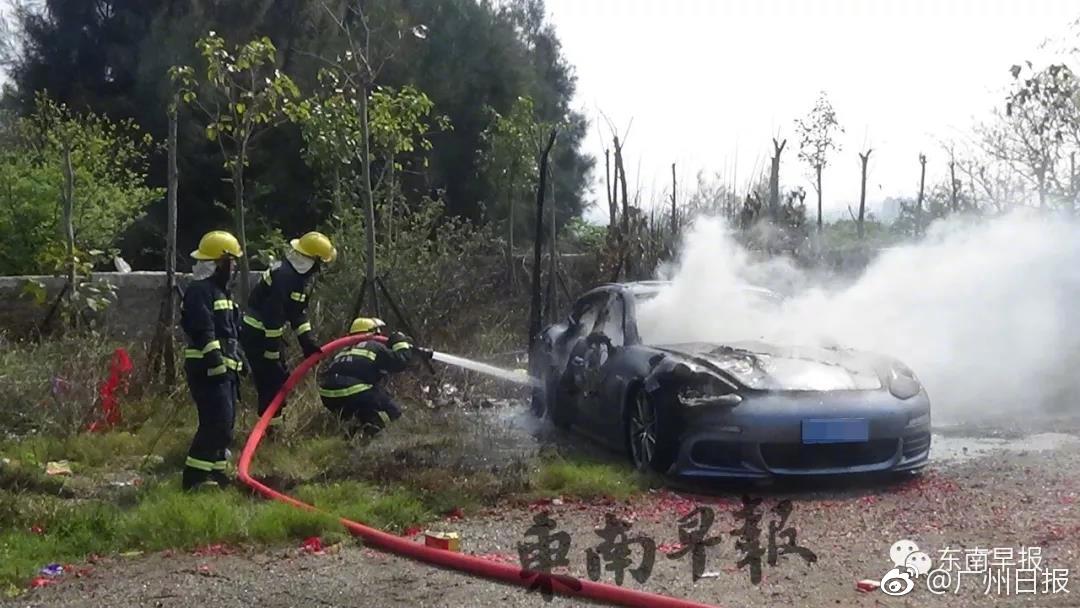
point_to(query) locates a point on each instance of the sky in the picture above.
(707, 84)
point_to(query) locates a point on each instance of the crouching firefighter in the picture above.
(280, 297)
(351, 384)
(212, 359)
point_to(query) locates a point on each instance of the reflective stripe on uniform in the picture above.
(217, 371)
(384, 417)
(271, 354)
(202, 465)
(360, 352)
(401, 346)
(233, 364)
(197, 353)
(344, 392)
(224, 305)
(270, 332)
(298, 296)
(221, 465)
(304, 328)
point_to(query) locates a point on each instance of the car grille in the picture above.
(916, 444)
(717, 454)
(827, 455)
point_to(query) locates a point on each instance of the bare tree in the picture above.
(864, 157)
(920, 222)
(774, 180)
(538, 242)
(817, 136)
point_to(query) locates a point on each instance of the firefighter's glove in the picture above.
(424, 353)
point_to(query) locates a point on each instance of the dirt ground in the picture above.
(1000, 486)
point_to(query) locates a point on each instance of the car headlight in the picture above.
(902, 382)
(707, 392)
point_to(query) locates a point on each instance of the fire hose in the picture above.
(405, 547)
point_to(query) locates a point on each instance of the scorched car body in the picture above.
(740, 409)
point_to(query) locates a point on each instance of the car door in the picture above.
(605, 351)
(571, 345)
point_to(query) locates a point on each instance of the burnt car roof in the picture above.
(650, 288)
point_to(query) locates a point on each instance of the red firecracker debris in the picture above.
(669, 548)
(119, 373)
(217, 549)
(455, 514)
(867, 585)
(313, 545)
(412, 531)
(36, 529)
(42, 581)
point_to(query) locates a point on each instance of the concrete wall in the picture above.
(133, 315)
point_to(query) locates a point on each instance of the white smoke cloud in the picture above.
(986, 312)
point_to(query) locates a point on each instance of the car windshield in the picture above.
(670, 320)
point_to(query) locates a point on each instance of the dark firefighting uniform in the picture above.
(351, 385)
(278, 298)
(212, 360)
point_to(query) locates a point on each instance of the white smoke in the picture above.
(986, 312)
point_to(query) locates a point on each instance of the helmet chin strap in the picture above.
(302, 263)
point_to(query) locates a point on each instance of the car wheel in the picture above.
(650, 449)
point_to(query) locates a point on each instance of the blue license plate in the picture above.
(836, 430)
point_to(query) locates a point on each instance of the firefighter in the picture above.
(211, 321)
(351, 385)
(280, 297)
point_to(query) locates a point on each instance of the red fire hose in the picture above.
(448, 559)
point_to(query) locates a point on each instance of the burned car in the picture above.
(738, 410)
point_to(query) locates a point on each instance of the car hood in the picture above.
(762, 366)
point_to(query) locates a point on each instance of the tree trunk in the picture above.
(369, 199)
(624, 234)
(538, 244)
(169, 347)
(674, 208)
(920, 221)
(862, 195)
(774, 181)
(390, 202)
(612, 212)
(953, 204)
(510, 273)
(551, 304)
(68, 194)
(241, 232)
(817, 170)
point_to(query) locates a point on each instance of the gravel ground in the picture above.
(996, 486)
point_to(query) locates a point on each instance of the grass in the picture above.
(429, 463)
(587, 480)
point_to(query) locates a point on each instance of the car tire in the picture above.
(648, 436)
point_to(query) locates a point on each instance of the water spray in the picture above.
(518, 376)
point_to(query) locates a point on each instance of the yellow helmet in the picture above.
(363, 325)
(315, 245)
(217, 244)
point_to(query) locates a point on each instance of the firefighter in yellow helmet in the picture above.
(211, 322)
(280, 297)
(351, 385)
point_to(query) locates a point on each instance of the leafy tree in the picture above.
(817, 137)
(241, 94)
(511, 147)
(105, 190)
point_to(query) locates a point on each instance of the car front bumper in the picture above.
(763, 437)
